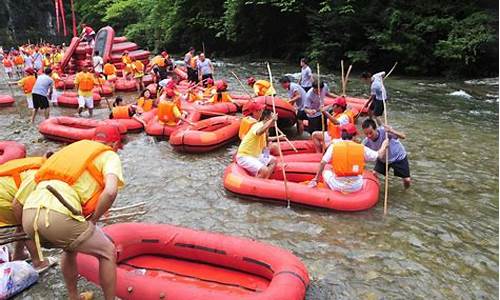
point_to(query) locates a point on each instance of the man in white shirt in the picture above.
(205, 68)
(97, 62)
(306, 76)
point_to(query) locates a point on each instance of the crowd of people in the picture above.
(88, 194)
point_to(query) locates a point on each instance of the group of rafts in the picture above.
(206, 126)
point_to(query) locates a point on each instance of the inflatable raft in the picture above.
(10, 150)
(158, 261)
(6, 100)
(355, 104)
(104, 42)
(134, 126)
(70, 99)
(238, 181)
(206, 135)
(125, 85)
(285, 111)
(69, 53)
(69, 129)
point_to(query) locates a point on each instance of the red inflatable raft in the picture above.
(356, 104)
(69, 129)
(157, 129)
(206, 135)
(104, 42)
(134, 126)
(6, 100)
(120, 39)
(70, 99)
(136, 55)
(10, 150)
(238, 181)
(69, 52)
(125, 85)
(124, 46)
(157, 261)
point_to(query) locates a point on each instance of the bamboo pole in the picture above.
(285, 181)
(125, 215)
(386, 189)
(323, 145)
(391, 70)
(346, 79)
(141, 204)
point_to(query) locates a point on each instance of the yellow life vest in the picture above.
(348, 159)
(69, 163)
(263, 88)
(14, 168)
(222, 97)
(145, 104)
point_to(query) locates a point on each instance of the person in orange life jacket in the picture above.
(88, 187)
(16, 187)
(127, 61)
(138, 70)
(84, 83)
(168, 112)
(121, 111)
(27, 83)
(145, 101)
(398, 159)
(190, 62)
(340, 117)
(8, 65)
(221, 93)
(253, 152)
(261, 87)
(347, 159)
(296, 96)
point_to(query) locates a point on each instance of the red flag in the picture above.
(73, 19)
(63, 16)
(57, 16)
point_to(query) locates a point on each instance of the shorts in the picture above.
(301, 115)
(87, 101)
(377, 106)
(40, 102)
(8, 70)
(401, 167)
(253, 164)
(64, 232)
(349, 184)
(314, 124)
(29, 101)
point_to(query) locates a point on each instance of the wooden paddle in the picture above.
(323, 145)
(277, 137)
(386, 191)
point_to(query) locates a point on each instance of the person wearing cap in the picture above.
(253, 152)
(27, 83)
(398, 158)
(42, 91)
(341, 116)
(74, 188)
(315, 98)
(84, 83)
(378, 95)
(261, 87)
(205, 68)
(88, 34)
(190, 60)
(221, 93)
(296, 96)
(127, 61)
(306, 75)
(347, 160)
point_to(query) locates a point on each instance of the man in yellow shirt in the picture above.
(75, 187)
(252, 155)
(16, 183)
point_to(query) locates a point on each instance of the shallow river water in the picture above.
(438, 241)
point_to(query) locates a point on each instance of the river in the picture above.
(438, 241)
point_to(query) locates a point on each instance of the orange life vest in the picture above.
(245, 125)
(7, 63)
(28, 84)
(158, 60)
(14, 168)
(18, 60)
(334, 130)
(109, 69)
(222, 97)
(348, 159)
(126, 60)
(165, 113)
(263, 88)
(138, 66)
(121, 112)
(86, 82)
(81, 154)
(46, 62)
(192, 61)
(145, 104)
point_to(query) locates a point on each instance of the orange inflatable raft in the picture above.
(6, 100)
(355, 104)
(134, 126)
(206, 135)
(70, 99)
(10, 150)
(69, 129)
(158, 261)
(125, 85)
(238, 181)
